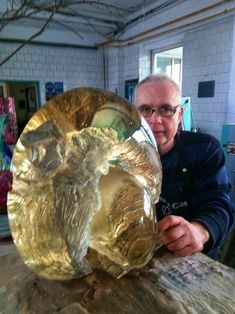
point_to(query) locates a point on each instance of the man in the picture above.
(194, 209)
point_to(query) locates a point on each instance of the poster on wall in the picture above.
(53, 89)
(130, 89)
(31, 98)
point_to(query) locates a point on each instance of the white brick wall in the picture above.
(207, 55)
(112, 66)
(75, 67)
(231, 96)
(123, 64)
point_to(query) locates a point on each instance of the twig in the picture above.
(30, 39)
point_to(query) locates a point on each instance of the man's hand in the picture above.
(182, 237)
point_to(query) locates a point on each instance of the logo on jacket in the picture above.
(168, 208)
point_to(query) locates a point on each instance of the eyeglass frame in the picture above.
(173, 108)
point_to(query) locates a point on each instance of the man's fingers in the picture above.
(186, 251)
(178, 244)
(181, 236)
(168, 222)
(171, 234)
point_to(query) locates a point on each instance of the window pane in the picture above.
(169, 62)
(163, 64)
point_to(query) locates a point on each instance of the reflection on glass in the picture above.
(84, 187)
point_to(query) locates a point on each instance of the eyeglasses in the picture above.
(163, 111)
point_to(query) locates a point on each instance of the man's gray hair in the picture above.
(161, 78)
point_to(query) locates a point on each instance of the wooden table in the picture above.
(172, 284)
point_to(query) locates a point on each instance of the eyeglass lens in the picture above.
(164, 111)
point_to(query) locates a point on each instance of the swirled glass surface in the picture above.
(86, 175)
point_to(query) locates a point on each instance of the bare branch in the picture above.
(88, 22)
(64, 13)
(65, 3)
(30, 39)
(67, 27)
(5, 20)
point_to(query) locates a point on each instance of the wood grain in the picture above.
(169, 284)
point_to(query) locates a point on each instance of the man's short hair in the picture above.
(161, 78)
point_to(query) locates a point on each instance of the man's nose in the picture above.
(155, 117)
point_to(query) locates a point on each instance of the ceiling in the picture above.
(93, 24)
(100, 20)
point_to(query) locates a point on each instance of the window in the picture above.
(169, 62)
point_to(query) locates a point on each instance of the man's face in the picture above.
(155, 95)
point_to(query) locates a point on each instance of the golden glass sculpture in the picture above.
(86, 175)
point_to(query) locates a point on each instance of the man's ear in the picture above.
(180, 113)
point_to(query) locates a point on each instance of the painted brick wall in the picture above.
(75, 67)
(207, 55)
(112, 69)
(123, 64)
(231, 96)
